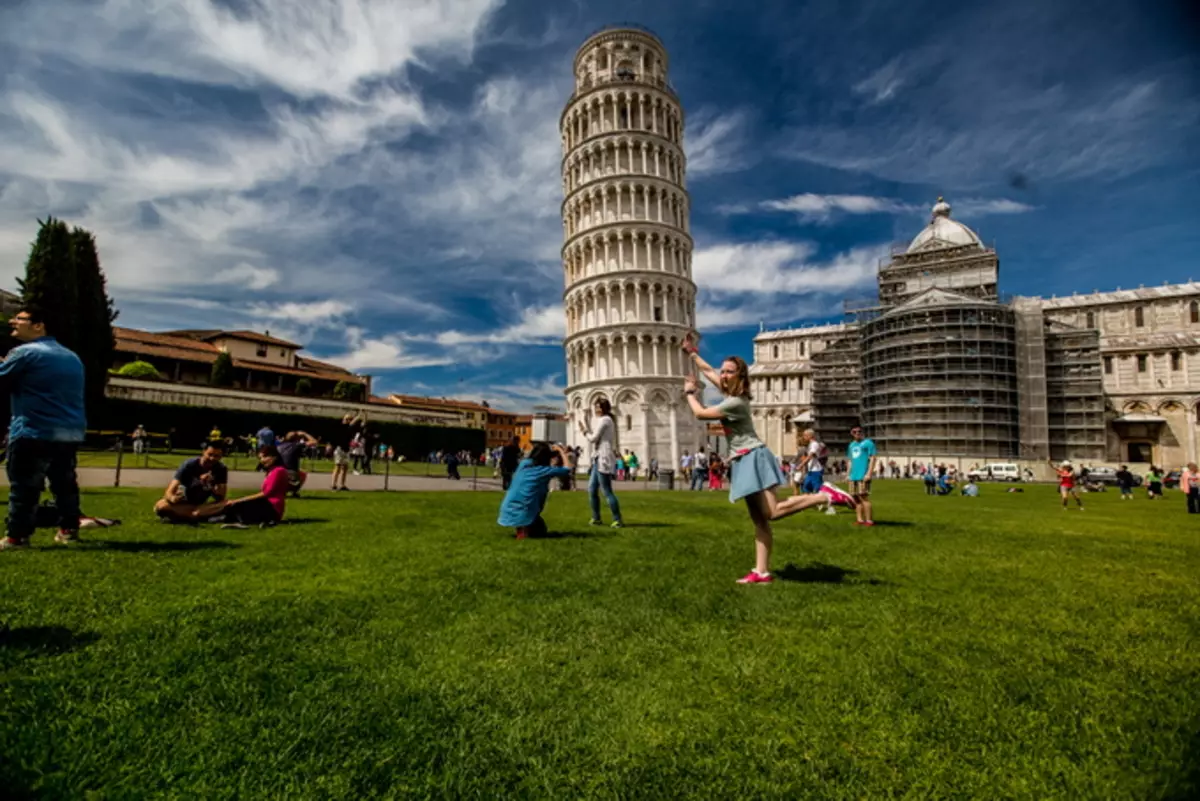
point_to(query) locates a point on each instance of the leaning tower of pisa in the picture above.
(627, 257)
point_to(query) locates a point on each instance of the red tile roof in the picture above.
(209, 334)
(187, 347)
(450, 403)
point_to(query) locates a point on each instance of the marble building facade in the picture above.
(1101, 378)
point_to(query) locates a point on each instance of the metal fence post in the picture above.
(387, 473)
(120, 453)
(474, 475)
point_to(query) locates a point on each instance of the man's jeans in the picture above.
(602, 482)
(31, 462)
(699, 477)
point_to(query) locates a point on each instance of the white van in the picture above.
(1001, 471)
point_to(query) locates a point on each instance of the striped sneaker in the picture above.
(13, 544)
(63, 537)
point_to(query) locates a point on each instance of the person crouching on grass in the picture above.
(754, 470)
(262, 508)
(526, 497)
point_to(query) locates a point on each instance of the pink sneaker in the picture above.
(836, 496)
(754, 577)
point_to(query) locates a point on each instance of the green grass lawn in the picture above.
(403, 646)
(241, 461)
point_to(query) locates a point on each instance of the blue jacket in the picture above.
(45, 382)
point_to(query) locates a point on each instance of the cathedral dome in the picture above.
(943, 232)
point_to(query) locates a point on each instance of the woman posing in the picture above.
(754, 470)
(604, 462)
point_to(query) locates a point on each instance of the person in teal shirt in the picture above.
(526, 497)
(861, 454)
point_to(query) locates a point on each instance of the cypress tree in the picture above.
(222, 370)
(94, 316)
(50, 281)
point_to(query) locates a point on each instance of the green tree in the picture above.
(94, 316)
(347, 390)
(139, 369)
(222, 370)
(303, 387)
(49, 282)
(63, 278)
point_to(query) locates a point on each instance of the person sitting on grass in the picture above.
(263, 508)
(971, 490)
(196, 480)
(526, 497)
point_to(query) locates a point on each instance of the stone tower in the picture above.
(627, 256)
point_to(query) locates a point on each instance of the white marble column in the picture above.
(675, 437)
(645, 454)
(641, 356)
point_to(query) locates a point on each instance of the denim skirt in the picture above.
(758, 470)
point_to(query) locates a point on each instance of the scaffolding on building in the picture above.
(1031, 378)
(837, 391)
(940, 379)
(1075, 408)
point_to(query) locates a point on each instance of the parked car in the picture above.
(1171, 480)
(1108, 476)
(1001, 471)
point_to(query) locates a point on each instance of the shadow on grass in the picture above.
(594, 534)
(821, 573)
(892, 523)
(1186, 785)
(45, 640)
(154, 546)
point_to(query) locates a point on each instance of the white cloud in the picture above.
(317, 312)
(327, 48)
(717, 142)
(814, 208)
(743, 284)
(247, 276)
(881, 85)
(979, 207)
(544, 325)
(366, 353)
(520, 396)
(1038, 133)
(781, 267)
(811, 207)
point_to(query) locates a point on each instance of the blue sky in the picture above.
(379, 179)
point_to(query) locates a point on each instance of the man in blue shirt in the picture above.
(196, 480)
(526, 497)
(861, 454)
(45, 383)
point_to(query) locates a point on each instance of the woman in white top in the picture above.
(604, 462)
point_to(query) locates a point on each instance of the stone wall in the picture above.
(209, 397)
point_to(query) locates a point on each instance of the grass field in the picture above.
(402, 645)
(240, 461)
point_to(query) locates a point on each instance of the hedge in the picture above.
(189, 426)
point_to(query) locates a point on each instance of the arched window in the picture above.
(1139, 317)
(775, 352)
(1194, 311)
(629, 422)
(1091, 319)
